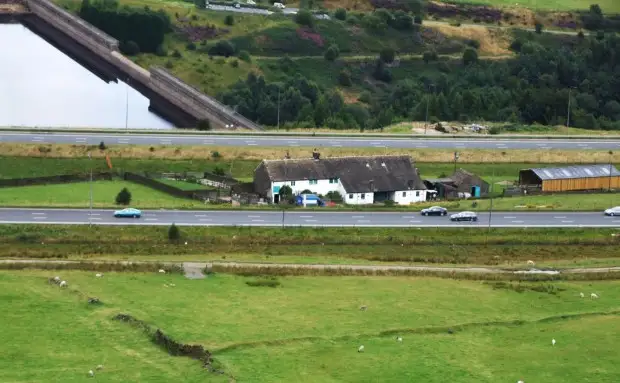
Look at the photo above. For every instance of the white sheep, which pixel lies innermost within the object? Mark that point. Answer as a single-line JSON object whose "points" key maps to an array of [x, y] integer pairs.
{"points": [[98, 275], [100, 367], [361, 349], [63, 283], [531, 263], [363, 308], [172, 285], [520, 381], [582, 295], [91, 373], [162, 271], [57, 279], [553, 342], [399, 339], [593, 296]]}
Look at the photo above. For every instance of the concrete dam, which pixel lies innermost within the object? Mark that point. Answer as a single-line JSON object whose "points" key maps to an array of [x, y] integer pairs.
{"points": [[170, 97]]}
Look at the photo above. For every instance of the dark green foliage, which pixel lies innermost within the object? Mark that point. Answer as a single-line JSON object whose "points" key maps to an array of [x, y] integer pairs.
{"points": [[340, 14], [470, 56], [229, 20], [218, 171], [539, 28], [176, 54], [130, 48], [381, 73], [161, 51], [141, 25], [123, 197], [222, 48], [429, 56], [244, 56], [190, 46], [474, 43], [285, 192], [264, 282], [387, 55], [334, 196], [174, 234], [305, 18], [200, 4], [417, 19], [332, 53], [204, 125], [102, 146], [344, 78]]}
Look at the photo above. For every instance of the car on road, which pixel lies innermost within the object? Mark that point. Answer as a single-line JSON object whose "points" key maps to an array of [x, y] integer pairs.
{"points": [[128, 213], [434, 210], [613, 211], [279, 5], [464, 216]]}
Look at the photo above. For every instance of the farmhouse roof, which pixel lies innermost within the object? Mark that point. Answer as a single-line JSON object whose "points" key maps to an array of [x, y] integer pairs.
{"points": [[357, 174], [572, 172]]}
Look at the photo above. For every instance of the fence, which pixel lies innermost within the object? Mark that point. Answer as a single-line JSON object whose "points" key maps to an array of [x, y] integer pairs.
{"points": [[168, 189], [59, 179]]}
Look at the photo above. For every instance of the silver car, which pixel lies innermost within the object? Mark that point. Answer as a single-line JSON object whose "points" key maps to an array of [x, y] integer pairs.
{"points": [[464, 216], [614, 211]]}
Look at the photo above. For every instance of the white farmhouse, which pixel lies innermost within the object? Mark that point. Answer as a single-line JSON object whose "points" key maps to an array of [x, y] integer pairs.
{"points": [[360, 180]]}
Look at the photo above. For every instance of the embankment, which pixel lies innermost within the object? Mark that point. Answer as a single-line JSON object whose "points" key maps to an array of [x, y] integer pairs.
{"points": [[156, 80]]}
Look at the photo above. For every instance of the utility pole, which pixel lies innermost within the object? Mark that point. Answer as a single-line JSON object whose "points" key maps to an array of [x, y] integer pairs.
{"points": [[428, 97], [568, 113], [127, 104], [610, 155], [456, 157], [90, 214], [278, 108]]}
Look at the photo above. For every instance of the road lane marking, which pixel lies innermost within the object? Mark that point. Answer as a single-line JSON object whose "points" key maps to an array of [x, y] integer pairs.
{"points": [[205, 220], [311, 220], [252, 144], [415, 221], [337, 146], [38, 213], [559, 217], [510, 217], [151, 219], [305, 216], [258, 220], [253, 216], [200, 215], [517, 221], [568, 221], [39, 217], [409, 216], [95, 219], [357, 216]]}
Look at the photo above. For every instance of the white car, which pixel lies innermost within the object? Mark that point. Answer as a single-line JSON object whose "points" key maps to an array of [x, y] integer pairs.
{"points": [[613, 211], [464, 216], [250, 2], [279, 5]]}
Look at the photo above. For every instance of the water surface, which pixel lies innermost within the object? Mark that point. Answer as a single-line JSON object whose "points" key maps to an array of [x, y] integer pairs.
{"points": [[41, 86]]}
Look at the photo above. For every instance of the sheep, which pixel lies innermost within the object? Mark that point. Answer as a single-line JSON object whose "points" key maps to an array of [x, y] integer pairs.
{"points": [[100, 367], [582, 295], [520, 381], [172, 285], [91, 373], [162, 271], [57, 279], [593, 296], [363, 308], [399, 339], [63, 284], [553, 342], [98, 275], [531, 263], [361, 349]]}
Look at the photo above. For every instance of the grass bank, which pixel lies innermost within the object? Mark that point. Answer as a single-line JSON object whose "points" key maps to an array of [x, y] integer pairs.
{"points": [[504, 247], [504, 330]]}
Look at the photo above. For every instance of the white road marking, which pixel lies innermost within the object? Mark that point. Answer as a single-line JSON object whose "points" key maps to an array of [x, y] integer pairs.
{"points": [[568, 221], [305, 216], [39, 217], [421, 146], [510, 217], [415, 221], [38, 213], [253, 216], [151, 219], [311, 220], [258, 220], [357, 216], [409, 216], [337, 146], [559, 217], [200, 215], [95, 219], [205, 220], [252, 144], [517, 221]]}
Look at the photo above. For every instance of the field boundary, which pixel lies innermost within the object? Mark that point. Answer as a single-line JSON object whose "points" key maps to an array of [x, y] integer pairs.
{"points": [[449, 330]]}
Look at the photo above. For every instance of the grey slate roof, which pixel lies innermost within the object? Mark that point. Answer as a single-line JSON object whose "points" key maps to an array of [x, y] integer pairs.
{"points": [[357, 174], [572, 172]]}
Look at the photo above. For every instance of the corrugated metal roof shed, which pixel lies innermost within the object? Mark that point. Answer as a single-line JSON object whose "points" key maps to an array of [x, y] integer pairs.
{"points": [[572, 172]]}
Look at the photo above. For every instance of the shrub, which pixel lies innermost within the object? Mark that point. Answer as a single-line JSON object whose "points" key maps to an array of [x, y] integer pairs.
{"points": [[130, 48], [340, 14], [429, 56], [473, 43], [470, 56], [218, 171], [190, 46], [216, 155], [200, 4], [174, 234], [381, 73], [387, 55], [176, 54], [417, 19], [270, 282], [222, 48], [388, 203], [332, 53], [161, 51], [539, 28], [344, 78], [494, 130], [102, 146], [305, 18], [244, 56], [334, 196], [234, 63], [229, 20], [204, 125], [169, 64], [285, 192], [123, 197]]}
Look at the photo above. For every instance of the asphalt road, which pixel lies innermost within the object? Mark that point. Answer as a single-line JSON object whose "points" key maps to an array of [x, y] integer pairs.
{"points": [[310, 218], [317, 142]]}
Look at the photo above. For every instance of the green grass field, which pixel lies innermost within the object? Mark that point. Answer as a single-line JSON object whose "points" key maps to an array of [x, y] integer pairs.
{"points": [[76, 195], [299, 332]]}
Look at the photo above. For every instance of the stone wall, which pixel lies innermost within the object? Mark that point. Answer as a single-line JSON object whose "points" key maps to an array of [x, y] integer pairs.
{"points": [[175, 91]]}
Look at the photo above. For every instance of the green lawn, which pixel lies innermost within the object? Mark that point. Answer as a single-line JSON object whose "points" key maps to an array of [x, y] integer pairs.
{"points": [[610, 6], [76, 195], [299, 332]]}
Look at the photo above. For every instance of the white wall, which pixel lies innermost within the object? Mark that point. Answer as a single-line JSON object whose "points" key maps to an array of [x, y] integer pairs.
{"points": [[321, 187], [406, 197], [359, 198]]}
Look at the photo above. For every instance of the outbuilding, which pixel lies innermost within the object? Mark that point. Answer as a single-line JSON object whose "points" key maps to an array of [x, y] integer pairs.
{"points": [[570, 178]]}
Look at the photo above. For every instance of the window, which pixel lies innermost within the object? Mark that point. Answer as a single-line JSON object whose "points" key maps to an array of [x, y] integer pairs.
{"points": [[333, 180], [363, 196], [312, 182], [292, 183], [417, 194], [404, 194], [350, 196]]}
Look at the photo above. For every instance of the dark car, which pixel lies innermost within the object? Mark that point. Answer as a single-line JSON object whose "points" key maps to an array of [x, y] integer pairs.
{"points": [[464, 216], [434, 210]]}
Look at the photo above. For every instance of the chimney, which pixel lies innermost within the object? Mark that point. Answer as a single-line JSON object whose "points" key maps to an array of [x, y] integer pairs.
{"points": [[372, 186], [410, 184]]}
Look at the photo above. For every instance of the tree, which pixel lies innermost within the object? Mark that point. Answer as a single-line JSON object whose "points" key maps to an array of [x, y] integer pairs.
{"points": [[381, 73], [387, 55], [429, 56], [332, 53], [344, 78], [102, 146], [204, 125], [174, 234], [130, 48], [305, 18], [285, 193], [200, 4], [123, 197], [470, 56], [539, 27], [222, 48], [340, 14], [229, 20]]}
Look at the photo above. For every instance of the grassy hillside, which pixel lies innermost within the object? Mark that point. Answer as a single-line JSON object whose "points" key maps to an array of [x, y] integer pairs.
{"points": [[299, 332]]}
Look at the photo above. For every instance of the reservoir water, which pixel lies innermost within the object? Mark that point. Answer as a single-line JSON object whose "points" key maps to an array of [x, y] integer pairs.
{"points": [[40, 86]]}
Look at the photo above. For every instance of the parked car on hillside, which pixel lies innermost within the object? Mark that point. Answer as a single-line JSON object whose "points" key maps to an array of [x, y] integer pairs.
{"points": [[128, 213], [613, 211], [464, 216], [279, 5], [434, 210]]}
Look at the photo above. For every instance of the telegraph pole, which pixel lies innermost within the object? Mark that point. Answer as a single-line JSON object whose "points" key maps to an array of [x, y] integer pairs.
{"points": [[90, 215]]}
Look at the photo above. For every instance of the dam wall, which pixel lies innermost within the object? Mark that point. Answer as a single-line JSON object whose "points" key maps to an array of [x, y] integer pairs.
{"points": [[159, 81]]}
